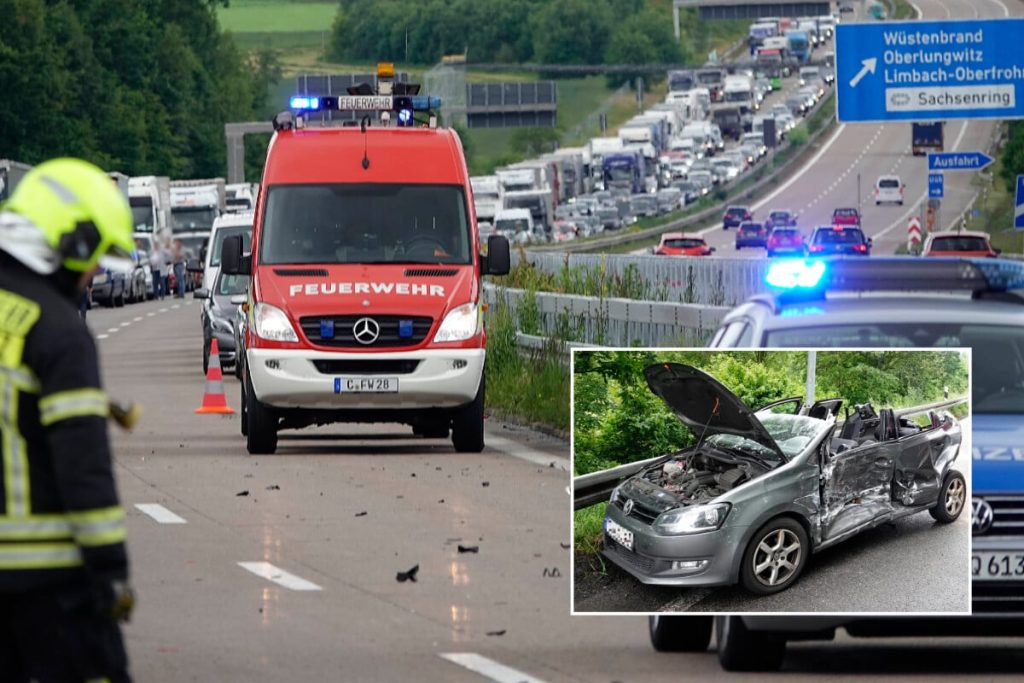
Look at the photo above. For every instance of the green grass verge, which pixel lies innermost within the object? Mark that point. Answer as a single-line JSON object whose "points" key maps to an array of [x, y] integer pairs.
{"points": [[588, 529], [276, 16], [533, 387], [994, 211], [902, 10]]}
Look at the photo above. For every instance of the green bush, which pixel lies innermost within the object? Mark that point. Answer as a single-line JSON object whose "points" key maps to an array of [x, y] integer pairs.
{"points": [[798, 136]]}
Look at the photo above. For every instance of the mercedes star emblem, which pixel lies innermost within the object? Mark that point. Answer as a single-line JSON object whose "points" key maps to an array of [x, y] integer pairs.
{"points": [[981, 516], [366, 330], [628, 507]]}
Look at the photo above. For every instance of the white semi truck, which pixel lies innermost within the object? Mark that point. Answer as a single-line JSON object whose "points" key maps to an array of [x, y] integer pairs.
{"points": [[150, 199]]}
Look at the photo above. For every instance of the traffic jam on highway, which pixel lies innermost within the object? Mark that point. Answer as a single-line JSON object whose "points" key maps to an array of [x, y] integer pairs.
{"points": [[338, 488]]}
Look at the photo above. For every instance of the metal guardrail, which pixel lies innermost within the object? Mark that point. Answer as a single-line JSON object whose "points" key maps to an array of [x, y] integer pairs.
{"points": [[609, 321], [596, 487]]}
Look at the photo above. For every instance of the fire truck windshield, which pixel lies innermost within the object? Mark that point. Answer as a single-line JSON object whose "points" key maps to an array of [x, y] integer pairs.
{"points": [[365, 223]]}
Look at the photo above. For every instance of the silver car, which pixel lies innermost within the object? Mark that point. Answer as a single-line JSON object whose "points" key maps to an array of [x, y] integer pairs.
{"points": [[762, 491]]}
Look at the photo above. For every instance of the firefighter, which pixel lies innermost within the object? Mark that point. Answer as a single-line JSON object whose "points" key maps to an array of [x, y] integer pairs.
{"points": [[63, 564]]}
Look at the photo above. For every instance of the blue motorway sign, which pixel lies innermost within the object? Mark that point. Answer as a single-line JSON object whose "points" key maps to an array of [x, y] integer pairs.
{"points": [[930, 70], [1018, 209], [958, 161], [936, 189]]}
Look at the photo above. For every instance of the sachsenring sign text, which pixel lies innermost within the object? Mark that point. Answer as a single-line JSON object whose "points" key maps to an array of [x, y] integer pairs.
{"points": [[930, 70]]}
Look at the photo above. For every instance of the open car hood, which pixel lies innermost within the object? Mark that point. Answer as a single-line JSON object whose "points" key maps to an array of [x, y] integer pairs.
{"points": [[698, 399]]}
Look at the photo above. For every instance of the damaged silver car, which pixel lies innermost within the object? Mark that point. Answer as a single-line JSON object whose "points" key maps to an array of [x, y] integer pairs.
{"points": [[760, 491]]}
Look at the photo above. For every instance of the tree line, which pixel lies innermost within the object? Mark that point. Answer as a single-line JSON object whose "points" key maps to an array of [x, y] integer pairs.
{"points": [[617, 419], [515, 31], [138, 86]]}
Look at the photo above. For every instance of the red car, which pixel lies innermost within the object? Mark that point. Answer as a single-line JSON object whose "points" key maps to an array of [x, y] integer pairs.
{"points": [[785, 241], [683, 244], [846, 216], [964, 243]]}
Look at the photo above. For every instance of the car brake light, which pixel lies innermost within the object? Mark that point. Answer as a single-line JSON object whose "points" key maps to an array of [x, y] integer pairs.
{"points": [[837, 228], [860, 247]]}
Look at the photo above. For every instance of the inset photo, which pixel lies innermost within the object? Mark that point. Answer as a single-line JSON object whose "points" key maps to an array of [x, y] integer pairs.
{"points": [[771, 481]]}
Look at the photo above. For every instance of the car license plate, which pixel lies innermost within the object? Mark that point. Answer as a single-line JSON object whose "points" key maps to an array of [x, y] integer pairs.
{"points": [[366, 385], [619, 534], [998, 565]]}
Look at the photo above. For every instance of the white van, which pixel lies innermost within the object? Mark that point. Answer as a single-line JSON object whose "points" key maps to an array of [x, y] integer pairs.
{"points": [[225, 225], [889, 188]]}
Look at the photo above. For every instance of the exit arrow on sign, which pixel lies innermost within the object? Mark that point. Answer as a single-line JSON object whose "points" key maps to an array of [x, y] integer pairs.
{"points": [[958, 161]]}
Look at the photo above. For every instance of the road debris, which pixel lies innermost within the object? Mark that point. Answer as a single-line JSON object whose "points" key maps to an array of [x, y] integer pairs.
{"points": [[410, 575], [469, 548], [243, 493]]}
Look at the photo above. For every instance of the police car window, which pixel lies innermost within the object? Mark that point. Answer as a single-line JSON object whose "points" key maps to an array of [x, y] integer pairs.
{"points": [[365, 223]]}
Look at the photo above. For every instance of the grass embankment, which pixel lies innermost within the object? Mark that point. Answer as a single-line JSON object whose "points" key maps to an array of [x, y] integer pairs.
{"points": [[278, 24], [993, 211], [588, 529]]}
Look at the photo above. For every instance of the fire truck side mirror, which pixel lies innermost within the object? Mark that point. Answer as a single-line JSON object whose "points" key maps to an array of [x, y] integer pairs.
{"points": [[497, 261], [232, 261]]}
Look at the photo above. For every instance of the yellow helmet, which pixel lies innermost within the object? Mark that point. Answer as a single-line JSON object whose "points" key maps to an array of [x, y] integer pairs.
{"points": [[80, 211]]}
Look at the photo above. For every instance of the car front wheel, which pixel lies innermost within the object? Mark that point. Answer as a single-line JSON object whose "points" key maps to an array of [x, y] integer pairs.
{"points": [[775, 557], [740, 649], [260, 422], [951, 499], [468, 425], [679, 633]]}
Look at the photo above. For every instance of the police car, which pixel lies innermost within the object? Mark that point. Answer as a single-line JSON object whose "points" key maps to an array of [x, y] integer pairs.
{"points": [[365, 297], [899, 302]]}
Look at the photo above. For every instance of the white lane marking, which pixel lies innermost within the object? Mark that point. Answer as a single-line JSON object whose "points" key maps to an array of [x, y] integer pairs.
{"points": [[176, 306], [102, 336], [518, 450], [163, 310], [279, 576], [902, 220], [113, 329], [160, 513], [488, 668], [125, 324], [1006, 10], [917, 10], [136, 319], [150, 315]]}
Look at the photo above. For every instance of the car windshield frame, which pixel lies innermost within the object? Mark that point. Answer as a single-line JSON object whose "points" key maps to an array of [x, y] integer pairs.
{"points": [[387, 222]]}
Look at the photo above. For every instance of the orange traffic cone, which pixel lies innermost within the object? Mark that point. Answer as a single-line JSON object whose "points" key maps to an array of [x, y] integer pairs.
{"points": [[214, 400]]}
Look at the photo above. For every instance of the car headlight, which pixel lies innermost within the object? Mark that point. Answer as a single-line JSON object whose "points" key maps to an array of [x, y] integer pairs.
{"points": [[692, 520], [272, 324], [460, 324], [617, 491]]}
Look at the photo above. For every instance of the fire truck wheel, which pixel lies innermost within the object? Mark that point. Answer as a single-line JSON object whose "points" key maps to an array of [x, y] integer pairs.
{"points": [[261, 424], [468, 425]]}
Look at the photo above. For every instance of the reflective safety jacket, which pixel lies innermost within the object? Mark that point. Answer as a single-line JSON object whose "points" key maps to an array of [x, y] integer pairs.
{"points": [[60, 520]]}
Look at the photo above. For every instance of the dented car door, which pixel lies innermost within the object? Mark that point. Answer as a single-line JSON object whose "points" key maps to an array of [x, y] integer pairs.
{"points": [[923, 458], [857, 481]]}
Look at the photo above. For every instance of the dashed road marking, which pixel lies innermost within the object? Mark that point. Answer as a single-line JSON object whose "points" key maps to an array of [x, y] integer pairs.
{"points": [[488, 668], [160, 513], [126, 324], [113, 329], [163, 310], [102, 336], [279, 576], [150, 315], [176, 306], [137, 319]]}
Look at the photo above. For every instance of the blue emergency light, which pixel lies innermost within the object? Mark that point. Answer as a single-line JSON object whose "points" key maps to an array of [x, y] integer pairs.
{"points": [[304, 103], [795, 275]]}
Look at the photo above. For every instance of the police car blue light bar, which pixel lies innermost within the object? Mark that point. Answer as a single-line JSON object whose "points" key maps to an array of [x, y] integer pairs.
{"points": [[895, 274], [792, 275]]}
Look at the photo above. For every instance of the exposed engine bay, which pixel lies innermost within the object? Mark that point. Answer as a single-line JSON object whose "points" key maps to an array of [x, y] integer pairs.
{"points": [[696, 477]]}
